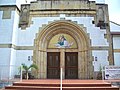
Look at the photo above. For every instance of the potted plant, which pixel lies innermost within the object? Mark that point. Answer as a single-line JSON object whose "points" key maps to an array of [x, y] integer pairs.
{"points": [[27, 68]]}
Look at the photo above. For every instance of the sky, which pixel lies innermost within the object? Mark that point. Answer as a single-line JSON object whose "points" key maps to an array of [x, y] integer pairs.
{"points": [[114, 10]]}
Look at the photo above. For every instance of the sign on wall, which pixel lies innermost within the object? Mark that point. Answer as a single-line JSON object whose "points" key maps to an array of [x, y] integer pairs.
{"points": [[112, 72]]}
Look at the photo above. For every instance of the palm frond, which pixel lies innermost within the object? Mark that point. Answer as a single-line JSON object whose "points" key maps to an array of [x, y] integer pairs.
{"points": [[25, 67], [33, 66]]}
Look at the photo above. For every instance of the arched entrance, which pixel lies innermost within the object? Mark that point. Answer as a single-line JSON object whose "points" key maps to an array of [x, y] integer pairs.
{"points": [[76, 60], [62, 51]]}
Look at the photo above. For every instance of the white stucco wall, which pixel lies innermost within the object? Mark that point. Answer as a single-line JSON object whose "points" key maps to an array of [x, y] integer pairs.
{"points": [[117, 59], [116, 42], [22, 57], [5, 54], [102, 59], [15, 28], [13, 56], [26, 37], [116, 45], [1, 13], [8, 35], [96, 34], [7, 26], [7, 63], [114, 27], [12, 68]]}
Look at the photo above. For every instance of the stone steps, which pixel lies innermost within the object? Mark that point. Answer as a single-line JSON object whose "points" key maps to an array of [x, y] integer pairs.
{"points": [[55, 85], [64, 84], [58, 88]]}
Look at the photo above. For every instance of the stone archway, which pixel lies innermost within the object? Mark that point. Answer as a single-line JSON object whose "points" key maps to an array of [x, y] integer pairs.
{"points": [[85, 67]]}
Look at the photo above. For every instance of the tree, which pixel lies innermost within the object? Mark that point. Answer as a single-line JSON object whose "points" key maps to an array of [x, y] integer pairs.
{"points": [[26, 68]]}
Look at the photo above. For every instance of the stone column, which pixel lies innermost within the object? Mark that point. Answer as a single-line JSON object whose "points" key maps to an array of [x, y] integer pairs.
{"points": [[45, 65], [82, 65], [41, 65], [79, 65], [38, 63]]}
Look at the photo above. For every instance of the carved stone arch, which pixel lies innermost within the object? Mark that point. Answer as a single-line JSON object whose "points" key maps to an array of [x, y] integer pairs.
{"points": [[64, 26], [78, 32]]}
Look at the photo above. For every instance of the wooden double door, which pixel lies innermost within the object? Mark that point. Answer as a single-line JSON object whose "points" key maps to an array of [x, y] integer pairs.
{"points": [[53, 65], [71, 65]]}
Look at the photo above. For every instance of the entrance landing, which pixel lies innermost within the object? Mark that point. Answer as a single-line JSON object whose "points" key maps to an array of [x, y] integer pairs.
{"points": [[50, 84]]}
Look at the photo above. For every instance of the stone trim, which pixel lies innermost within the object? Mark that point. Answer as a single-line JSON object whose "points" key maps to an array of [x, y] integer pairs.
{"points": [[5, 45], [62, 4], [11, 7], [115, 33], [16, 47], [66, 50], [58, 12], [6, 14], [116, 50], [7, 10], [24, 47], [56, 50], [100, 48]]}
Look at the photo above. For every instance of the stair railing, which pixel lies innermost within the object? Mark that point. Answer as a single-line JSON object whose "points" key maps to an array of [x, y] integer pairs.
{"points": [[61, 78], [21, 73]]}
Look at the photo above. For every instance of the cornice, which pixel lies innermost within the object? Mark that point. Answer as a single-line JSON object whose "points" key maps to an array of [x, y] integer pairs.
{"points": [[12, 7]]}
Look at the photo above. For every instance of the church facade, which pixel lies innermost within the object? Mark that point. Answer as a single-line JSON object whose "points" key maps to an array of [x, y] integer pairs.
{"points": [[75, 35]]}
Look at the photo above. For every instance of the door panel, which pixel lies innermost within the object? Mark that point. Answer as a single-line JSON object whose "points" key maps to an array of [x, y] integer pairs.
{"points": [[71, 65], [53, 65]]}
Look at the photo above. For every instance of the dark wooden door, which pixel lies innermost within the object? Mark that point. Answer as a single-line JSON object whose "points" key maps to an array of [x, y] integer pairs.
{"points": [[53, 65], [71, 65]]}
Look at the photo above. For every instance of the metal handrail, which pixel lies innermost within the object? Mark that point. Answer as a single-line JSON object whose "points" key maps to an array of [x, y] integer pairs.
{"points": [[61, 78]]}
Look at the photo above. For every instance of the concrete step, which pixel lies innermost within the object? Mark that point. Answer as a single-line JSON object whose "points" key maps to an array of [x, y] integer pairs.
{"points": [[58, 88], [64, 84], [50, 84]]}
